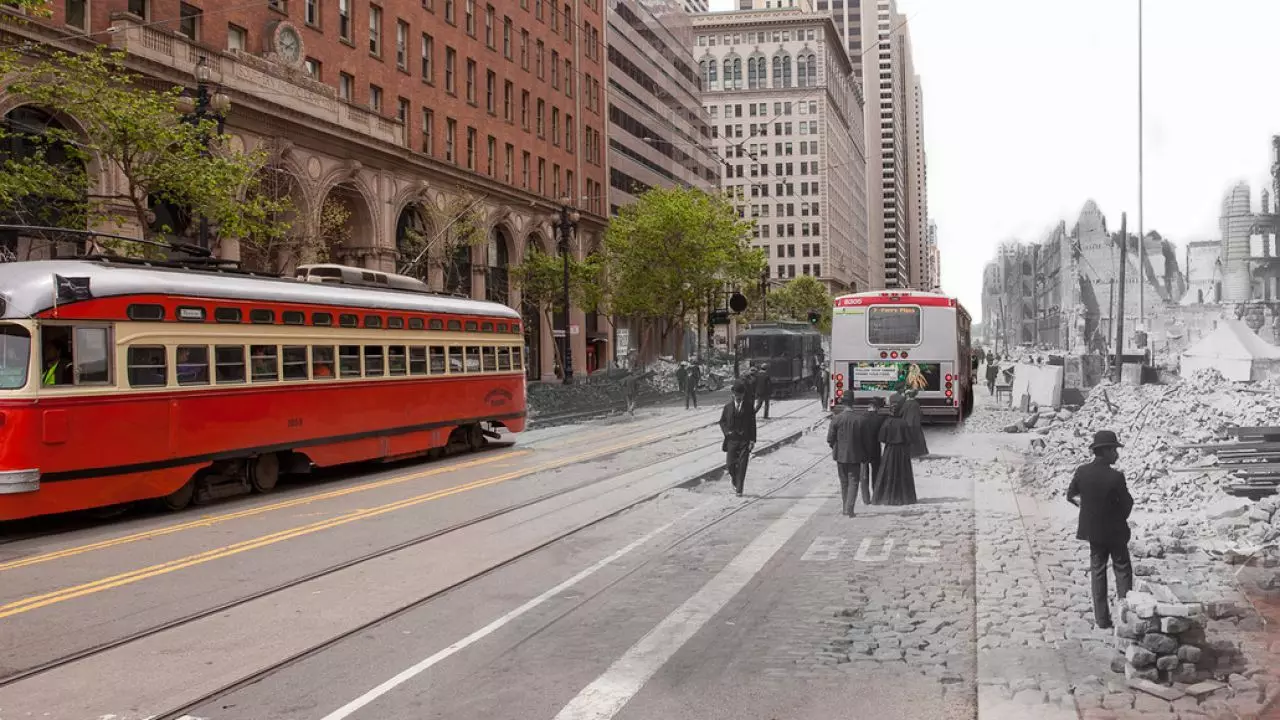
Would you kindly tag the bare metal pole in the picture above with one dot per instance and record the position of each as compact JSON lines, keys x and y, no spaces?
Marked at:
{"x":1142,"y":244}
{"x":1124,"y":261}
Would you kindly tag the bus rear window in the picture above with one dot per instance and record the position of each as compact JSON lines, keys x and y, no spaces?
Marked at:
{"x":893,"y":325}
{"x":15,"y":356}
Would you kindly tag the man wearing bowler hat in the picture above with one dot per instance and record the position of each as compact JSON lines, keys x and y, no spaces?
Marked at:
{"x":1099,"y":490}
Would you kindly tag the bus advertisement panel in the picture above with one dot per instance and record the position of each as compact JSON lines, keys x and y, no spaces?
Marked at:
{"x":893,"y":341}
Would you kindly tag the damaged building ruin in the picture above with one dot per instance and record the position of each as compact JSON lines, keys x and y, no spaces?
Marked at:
{"x":1062,"y":292}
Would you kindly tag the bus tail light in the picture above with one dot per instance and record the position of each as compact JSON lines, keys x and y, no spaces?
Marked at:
{"x":839,"y":377}
{"x":949,"y":377}
{"x":904,"y":355}
{"x":883,"y":355}
{"x":894,"y":354}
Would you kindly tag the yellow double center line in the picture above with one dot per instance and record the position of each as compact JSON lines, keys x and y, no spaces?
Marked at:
{"x":57,"y":596}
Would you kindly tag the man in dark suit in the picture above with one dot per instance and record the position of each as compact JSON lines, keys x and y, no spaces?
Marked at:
{"x":738,"y":423}
{"x":1099,"y":490}
{"x":764,"y":389}
{"x":844,"y":438}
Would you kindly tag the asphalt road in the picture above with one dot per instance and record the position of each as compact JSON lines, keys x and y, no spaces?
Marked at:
{"x":573,"y":574}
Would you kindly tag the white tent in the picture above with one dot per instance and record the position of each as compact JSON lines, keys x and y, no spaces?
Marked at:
{"x":1233,"y":350}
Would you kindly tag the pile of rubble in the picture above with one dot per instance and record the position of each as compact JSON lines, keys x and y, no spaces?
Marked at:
{"x":1163,"y":641}
{"x":664,"y":369}
{"x":1152,"y":422}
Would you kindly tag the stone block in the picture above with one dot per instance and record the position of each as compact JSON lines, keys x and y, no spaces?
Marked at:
{"x":1201,"y":689}
{"x":1177,"y":610}
{"x":1168,"y":663}
{"x":1186,"y":673}
{"x":1117,"y":664}
{"x":1189,"y":653}
{"x":1139,"y":657}
{"x":1142,"y":604}
{"x":1174,"y":625}
{"x":1163,"y":692}
{"x":1159,"y":643}
{"x":1133,"y":673}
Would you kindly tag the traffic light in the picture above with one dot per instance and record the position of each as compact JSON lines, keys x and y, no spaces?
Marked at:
{"x":815,"y":317}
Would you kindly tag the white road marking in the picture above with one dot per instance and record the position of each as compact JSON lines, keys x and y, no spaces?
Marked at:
{"x":824,"y":549}
{"x":427,"y":663}
{"x":864,"y":550}
{"x":923,"y":550}
{"x":607,"y":695}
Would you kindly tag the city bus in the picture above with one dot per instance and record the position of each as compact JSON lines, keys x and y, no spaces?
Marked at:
{"x":888,"y":341}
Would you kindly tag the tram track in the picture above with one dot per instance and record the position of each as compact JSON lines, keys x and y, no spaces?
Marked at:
{"x":129,"y":638}
{"x":274,"y":668}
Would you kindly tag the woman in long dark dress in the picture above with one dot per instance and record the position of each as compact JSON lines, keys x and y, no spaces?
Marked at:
{"x":914,"y":417}
{"x":896,"y":483}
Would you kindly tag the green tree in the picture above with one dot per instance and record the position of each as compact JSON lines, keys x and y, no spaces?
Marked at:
{"x":139,"y":132}
{"x":455,"y":228}
{"x":797,"y":297}
{"x":38,"y":8}
{"x":665,"y":254}
{"x":540,"y":278}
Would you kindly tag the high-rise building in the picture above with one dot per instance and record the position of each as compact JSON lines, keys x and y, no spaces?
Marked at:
{"x":407,"y":113}
{"x":786,"y":114}
{"x":658,"y":135}
{"x":917,"y":188}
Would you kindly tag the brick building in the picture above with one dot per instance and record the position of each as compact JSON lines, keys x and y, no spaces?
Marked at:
{"x":405,"y":112}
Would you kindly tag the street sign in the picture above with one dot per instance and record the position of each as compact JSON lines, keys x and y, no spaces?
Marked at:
{"x":737,"y":302}
{"x":573,"y":330}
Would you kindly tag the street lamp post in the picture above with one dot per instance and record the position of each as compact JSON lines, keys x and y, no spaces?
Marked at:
{"x":568,"y":221}
{"x":208,"y":103}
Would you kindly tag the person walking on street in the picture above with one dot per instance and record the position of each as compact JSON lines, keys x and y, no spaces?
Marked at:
{"x":896,"y":482}
{"x":682,"y":379}
{"x":993,"y":372}
{"x":844,"y":436}
{"x":915,"y":420}
{"x":738,"y":423}
{"x":1102,"y":495}
{"x":691,"y":386}
{"x":869,"y":438}
{"x":631,"y":386}
{"x":824,"y":386}
{"x":764,"y":389}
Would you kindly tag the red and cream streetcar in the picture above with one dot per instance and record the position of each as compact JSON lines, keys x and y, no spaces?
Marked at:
{"x":123,"y":381}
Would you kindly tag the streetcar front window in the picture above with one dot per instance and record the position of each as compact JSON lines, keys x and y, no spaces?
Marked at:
{"x":15,"y":356}
{"x":893,"y":325}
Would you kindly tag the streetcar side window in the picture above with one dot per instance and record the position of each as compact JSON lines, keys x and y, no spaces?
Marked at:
{"x":322,"y":319}
{"x":488,"y":354}
{"x":517,"y":358}
{"x":472,"y":326}
{"x":416,"y":323}
{"x":437,"y":360}
{"x":504,"y":358}
{"x":226,"y":315}
{"x":349,"y":361}
{"x":486,"y":327}
{"x":322,"y":367}
{"x":264,"y":362}
{"x":473,"y":358}
{"x":92,"y":352}
{"x":455,"y":325}
{"x":396,"y":364}
{"x":228,"y":364}
{"x":435,"y":324}
{"x":262,"y":316}
{"x":148,"y":366}
{"x":15,"y":356}
{"x":193,"y":365}
{"x":373,"y":321}
{"x":417,"y":360}
{"x":348,"y":321}
{"x":295,"y":362}
{"x":294,"y":317}
{"x":455,"y":358}
{"x":395,"y":323}
{"x":373,"y":360}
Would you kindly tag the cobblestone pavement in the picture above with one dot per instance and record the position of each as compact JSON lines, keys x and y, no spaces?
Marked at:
{"x":1039,"y":654}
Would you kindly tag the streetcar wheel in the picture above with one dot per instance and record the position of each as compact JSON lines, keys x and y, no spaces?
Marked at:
{"x":264,"y":473}
{"x":179,"y":499}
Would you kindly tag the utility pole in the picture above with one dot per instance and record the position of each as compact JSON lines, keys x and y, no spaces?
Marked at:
{"x":1124,"y":260}
{"x":1142,"y":240}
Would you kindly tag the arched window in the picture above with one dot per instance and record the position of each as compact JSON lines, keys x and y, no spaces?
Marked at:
{"x":709,"y":74}
{"x":733,"y":73}
{"x":782,"y":70}
{"x":806,"y":70}
{"x":737,"y":73}
{"x":757,"y":72}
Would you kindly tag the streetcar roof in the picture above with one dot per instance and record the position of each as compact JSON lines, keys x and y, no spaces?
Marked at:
{"x":28,"y":289}
{"x":777,"y":330}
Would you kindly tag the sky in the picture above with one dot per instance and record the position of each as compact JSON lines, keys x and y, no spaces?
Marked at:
{"x":1031,"y":108}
